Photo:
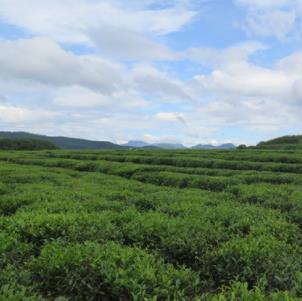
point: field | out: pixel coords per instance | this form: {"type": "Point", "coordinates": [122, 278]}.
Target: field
{"type": "Point", "coordinates": [151, 225]}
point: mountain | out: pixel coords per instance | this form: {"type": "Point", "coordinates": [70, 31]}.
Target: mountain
{"type": "Point", "coordinates": [210, 146]}
{"type": "Point", "coordinates": [76, 143]}
{"type": "Point", "coordinates": [169, 145]}
{"type": "Point", "coordinates": [227, 146]}
{"type": "Point", "coordinates": [203, 146]}
{"type": "Point", "coordinates": [142, 144]}
{"type": "Point", "coordinates": [136, 143]}
{"type": "Point", "coordinates": [150, 147]}
{"type": "Point", "coordinates": [63, 142]}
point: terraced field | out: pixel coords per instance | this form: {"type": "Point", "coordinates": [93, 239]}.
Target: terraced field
{"type": "Point", "coordinates": [151, 225]}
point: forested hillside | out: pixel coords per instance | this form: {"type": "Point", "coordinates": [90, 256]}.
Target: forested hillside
{"type": "Point", "coordinates": [62, 142]}
{"type": "Point", "coordinates": [25, 144]}
{"type": "Point", "coordinates": [285, 142]}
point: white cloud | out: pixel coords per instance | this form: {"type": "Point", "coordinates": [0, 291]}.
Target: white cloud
{"type": "Point", "coordinates": [246, 96]}
{"type": "Point", "coordinates": [152, 139]}
{"type": "Point", "coordinates": [125, 44]}
{"type": "Point", "coordinates": [171, 117]}
{"type": "Point", "coordinates": [292, 67]}
{"type": "Point", "coordinates": [125, 30]}
{"type": "Point", "coordinates": [297, 91]}
{"type": "Point", "coordinates": [276, 18]}
{"type": "Point", "coordinates": [151, 81]}
{"type": "Point", "coordinates": [43, 61]}
{"type": "Point", "coordinates": [236, 93]}
{"type": "Point", "coordinates": [113, 99]}
{"type": "Point", "coordinates": [264, 3]}
{"type": "Point", "coordinates": [15, 114]}
{"type": "Point", "coordinates": [243, 79]}
{"type": "Point", "coordinates": [291, 64]}
{"type": "Point", "coordinates": [214, 57]}
{"type": "Point", "coordinates": [79, 97]}
{"type": "Point", "coordinates": [72, 20]}
{"type": "Point", "coordinates": [233, 75]}
{"type": "Point", "coordinates": [276, 23]}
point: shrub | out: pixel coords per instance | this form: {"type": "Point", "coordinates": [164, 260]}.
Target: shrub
{"type": "Point", "coordinates": [260, 261]}
{"type": "Point", "coordinates": [109, 272]}
{"type": "Point", "coordinates": [240, 292]}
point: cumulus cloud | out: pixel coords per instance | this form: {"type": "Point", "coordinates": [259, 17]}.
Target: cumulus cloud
{"type": "Point", "coordinates": [213, 57]}
{"type": "Point", "coordinates": [72, 20]}
{"type": "Point", "coordinates": [154, 82]}
{"type": "Point", "coordinates": [276, 23]}
{"type": "Point", "coordinates": [291, 63]}
{"type": "Point", "coordinates": [126, 30]}
{"type": "Point", "coordinates": [80, 97]}
{"type": "Point", "coordinates": [233, 74]}
{"type": "Point", "coordinates": [125, 44]}
{"type": "Point", "coordinates": [292, 67]}
{"type": "Point", "coordinates": [276, 18]}
{"type": "Point", "coordinates": [264, 3]}
{"type": "Point", "coordinates": [171, 117]}
{"type": "Point", "coordinates": [16, 115]}
{"type": "Point", "coordinates": [297, 91]}
{"type": "Point", "coordinates": [238, 93]}
{"type": "Point", "coordinates": [44, 61]}
{"type": "Point", "coordinates": [263, 115]}
{"type": "Point", "coordinates": [243, 79]}
{"type": "Point", "coordinates": [132, 84]}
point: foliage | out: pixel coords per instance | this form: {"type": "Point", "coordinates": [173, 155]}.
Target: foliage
{"type": "Point", "coordinates": [285, 142]}
{"type": "Point", "coordinates": [203, 225]}
{"type": "Point", "coordinates": [25, 144]}
{"type": "Point", "coordinates": [61, 142]}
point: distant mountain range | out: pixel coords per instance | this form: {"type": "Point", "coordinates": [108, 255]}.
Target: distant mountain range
{"type": "Point", "coordinates": [135, 143]}
{"type": "Point", "coordinates": [76, 143]}
{"type": "Point", "coordinates": [143, 144]}
{"type": "Point", "coordinates": [210, 146]}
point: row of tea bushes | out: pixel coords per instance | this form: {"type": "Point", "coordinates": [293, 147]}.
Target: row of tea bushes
{"type": "Point", "coordinates": [203, 162]}
{"type": "Point", "coordinates": [205, 242]}
{"type": "Point", "coordinates": [165, 175]}
{"type": "Point", "coordinates": [78, 229]}
{"type": "Point", "coordinates": [286, 198]}
{"type": "Point", "coordinates": [245, 176]}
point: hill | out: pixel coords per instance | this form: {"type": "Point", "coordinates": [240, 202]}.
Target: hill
{"type": "Point", "coordinates": [77, 143]}
{"type": "Point", "coordinates": [26, 144]}
{"type": "Point", "coordinates": [62, 142]}
{"type": "Point", "coordinates": [285, 142]}
{"type": "Point", "coordinates": [210, 146]}
{"type": "Point", "coordinates": [135, 143]}
{"type": "Point", "coordinates": [143, 144]}
{"type": "Point", "coordinates": [169, 145]}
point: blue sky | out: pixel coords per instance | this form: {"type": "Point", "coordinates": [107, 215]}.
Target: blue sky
{"type": "Point", "coordinates": [203, 71]}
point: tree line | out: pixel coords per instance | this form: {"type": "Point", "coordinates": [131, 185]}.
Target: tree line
{"type": "Point", "coordinates": [26, 144]}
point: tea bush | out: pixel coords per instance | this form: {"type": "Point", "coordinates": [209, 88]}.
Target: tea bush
{"type": "Point", "coordinates": [151, 225]}
{"type": "Point", "coordinates": [106, 272]}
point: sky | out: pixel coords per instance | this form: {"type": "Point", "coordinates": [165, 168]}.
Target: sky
{"type": "Point", "coordinates": [183, 71]}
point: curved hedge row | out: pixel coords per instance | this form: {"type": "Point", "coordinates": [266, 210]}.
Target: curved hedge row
{"type": "Point", "coordinates": [73, 229]}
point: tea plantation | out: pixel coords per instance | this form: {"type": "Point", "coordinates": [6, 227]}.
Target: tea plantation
{"type": "Point", "coordinates": [151, 225]}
